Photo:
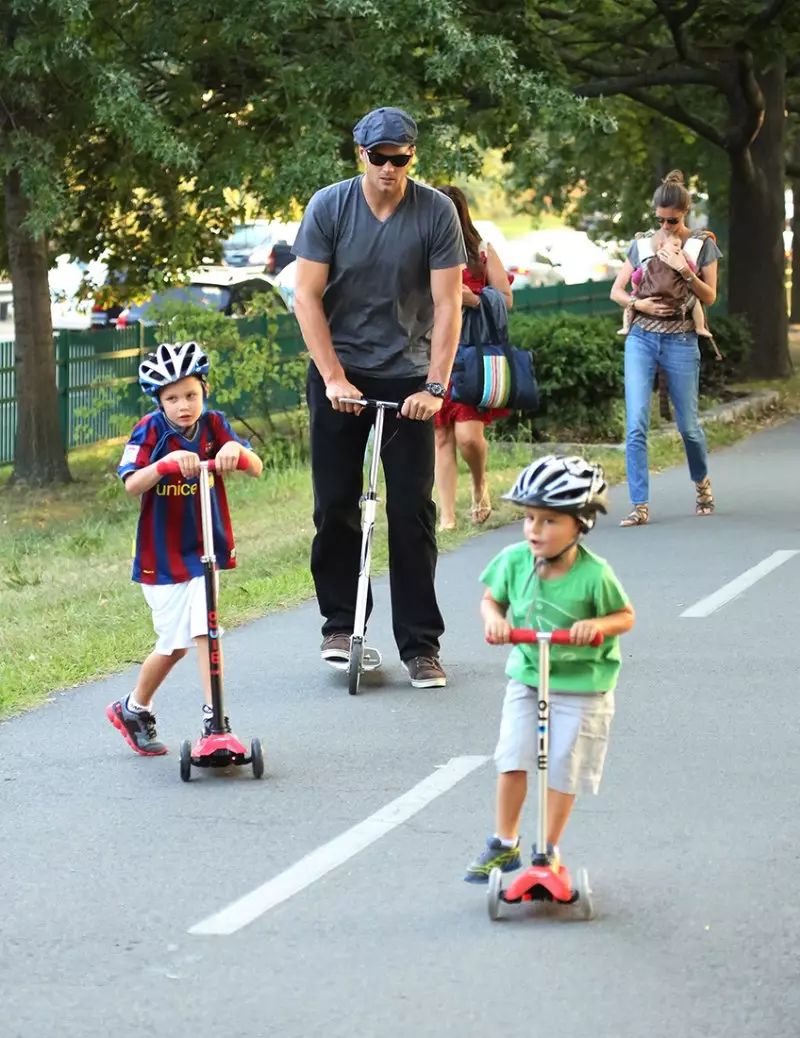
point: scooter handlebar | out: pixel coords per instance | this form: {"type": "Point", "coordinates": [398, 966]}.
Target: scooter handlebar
{"type": "Point", "coordinates": [388, 405]}
{"type": "Point", "coordinates": [522, 635]}
{"type": "Point", "coordinates": [172, 467]}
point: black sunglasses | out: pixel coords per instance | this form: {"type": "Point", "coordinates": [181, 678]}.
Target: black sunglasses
{"type": "Point", "coordinates": [377, 158]}
{"type": "Point", "coordinates": [671, 220]}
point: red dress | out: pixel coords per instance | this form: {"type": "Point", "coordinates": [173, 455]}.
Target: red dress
{"type": "Point", "coordinates": [452, 412]}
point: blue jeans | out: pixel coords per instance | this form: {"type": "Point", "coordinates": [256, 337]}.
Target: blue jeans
{"type": "Point", "coordinates": [678, 355]}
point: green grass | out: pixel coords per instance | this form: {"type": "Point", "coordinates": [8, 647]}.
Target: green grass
{"type": "Point", "coordinates": [520, 225]}
{"type": "Point", "coordinates": [71, 613]}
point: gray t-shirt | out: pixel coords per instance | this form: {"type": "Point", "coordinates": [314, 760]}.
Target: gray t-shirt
{"type": "Point", "coordinates": [378, 299]}
{"type": "Point", "coordinates": [708, 253]}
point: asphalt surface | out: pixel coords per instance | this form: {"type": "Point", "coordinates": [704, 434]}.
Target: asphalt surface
{"type": "Point", "coordinates": [107, 859]}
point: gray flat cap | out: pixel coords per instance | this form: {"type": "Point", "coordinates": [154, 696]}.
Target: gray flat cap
{"type": "Point", "coordinates": [385, 126]}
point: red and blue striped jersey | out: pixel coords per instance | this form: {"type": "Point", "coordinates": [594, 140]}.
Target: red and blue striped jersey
{"type": "Point", "coordinates": [169, 537]}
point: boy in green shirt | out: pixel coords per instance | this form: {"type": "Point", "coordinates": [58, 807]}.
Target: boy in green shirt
{"type": "Point", "coordinates": [550, 582]}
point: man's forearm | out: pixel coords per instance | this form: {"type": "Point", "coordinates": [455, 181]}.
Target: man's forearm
{"type": "Point", "coordinates": [444, 341]}
{"type": "Point", "coordinates": [317, 337]}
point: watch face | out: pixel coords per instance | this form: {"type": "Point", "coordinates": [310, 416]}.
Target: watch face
{"type": "Point", "coordinates": [435, 388]}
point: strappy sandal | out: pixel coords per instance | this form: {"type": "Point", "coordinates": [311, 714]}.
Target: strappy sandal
{"type": "Point", "coordinates": [481, 510]}
{"type": "Point", "coordinates": [639, 516]}
{"type": "Point", "coordinates": [705, 499]}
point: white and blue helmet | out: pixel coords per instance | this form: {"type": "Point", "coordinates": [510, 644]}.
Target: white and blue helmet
{"type": "Point", "coordinates": [171, 362]}
{"type": "Point", "coordinates": [563, 484]}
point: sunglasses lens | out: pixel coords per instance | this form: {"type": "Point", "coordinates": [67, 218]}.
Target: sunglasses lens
{"type": "Point", "coordinates": [377, 158]}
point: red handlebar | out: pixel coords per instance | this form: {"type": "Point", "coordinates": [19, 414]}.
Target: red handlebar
{"type": "Point", "coordinates": [172, 467]}
{"type": "Point", "coordinates": [521, 635]}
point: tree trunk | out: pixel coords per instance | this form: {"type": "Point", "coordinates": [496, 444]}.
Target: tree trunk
{"type": "Point", "coordinates": [795, 307]}
{"type": "Point", "coordinates": [757, 272]}
{"type": "Point", "coordinates": [39, 455]}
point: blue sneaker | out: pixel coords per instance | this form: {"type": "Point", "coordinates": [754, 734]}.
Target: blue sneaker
{"type": "Point", "coordinates": [496, 856]}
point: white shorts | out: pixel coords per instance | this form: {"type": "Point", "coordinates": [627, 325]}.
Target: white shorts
{"type": "Point", "coordinates": [179, 613]}
{"type": "Point", "coordinates": [579, 727]}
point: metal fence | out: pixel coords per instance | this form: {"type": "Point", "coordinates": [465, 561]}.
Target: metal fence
{"type": "Point", "coordinates": [96, 371]}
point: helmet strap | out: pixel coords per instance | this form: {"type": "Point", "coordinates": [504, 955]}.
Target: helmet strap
{"type": "Point", "coordinates": [187, 434]}
{"type": "Point", "coordinates": [556, 558]}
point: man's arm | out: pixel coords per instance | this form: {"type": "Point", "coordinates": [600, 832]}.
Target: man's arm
{"type": "Point", "coordinates": [310, 282]}
{"type": "Point", "coordinates": [446, 292]}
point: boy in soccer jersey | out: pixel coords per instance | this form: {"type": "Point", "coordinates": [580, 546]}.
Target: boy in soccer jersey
{"type": "Point", "coordinates": [169, 541]}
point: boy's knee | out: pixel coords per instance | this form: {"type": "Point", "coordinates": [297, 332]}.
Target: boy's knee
{"type": "Point", "coordinates": [178, 654]}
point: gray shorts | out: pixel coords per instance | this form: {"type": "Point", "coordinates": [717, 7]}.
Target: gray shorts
{"type": "Point", "coordinates": [579, 727]}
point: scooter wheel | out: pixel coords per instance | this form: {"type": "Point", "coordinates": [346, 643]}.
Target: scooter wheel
{"type": "Point", "coordinates": [584, 907]}
{"type": "Point", "coordinates": [256, 758]}
{"type": "Point", "coordinates": [493, 898]}
{"type": "Point", "coordinates": [186, 760]}
{"type": "Point", "coordinates": [354, 669]}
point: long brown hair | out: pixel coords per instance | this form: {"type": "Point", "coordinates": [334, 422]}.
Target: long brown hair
{"type": "Point", "coordinates": [672, 194]}
{"type": "Point", "coordinates": [472, 239]}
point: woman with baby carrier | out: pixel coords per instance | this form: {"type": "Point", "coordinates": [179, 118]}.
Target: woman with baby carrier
{"type": "Point", "coordinates": [673, 274]}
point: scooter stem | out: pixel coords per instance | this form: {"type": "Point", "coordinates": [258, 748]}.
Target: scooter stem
{"type": "Point", "coordinates": [543, 750]}
{"type": "Point", "coordinates": [210, 570]}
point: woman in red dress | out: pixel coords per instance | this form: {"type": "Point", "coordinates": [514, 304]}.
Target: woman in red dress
{"type": "Point", "coordinates": [459, 427]}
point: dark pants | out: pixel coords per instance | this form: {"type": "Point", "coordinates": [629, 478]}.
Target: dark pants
{"type": "Point", "coordinates": [338, 445]}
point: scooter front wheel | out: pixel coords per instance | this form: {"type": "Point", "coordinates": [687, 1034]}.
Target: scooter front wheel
{"type": "Point", "coordinates": [186, 760]}
{"type": "Point", "coordinates": [354, 668]}
{"type": "Point", "coordinates": [256, 758]}
{"type": "Point", "coordinates": [493, 894]}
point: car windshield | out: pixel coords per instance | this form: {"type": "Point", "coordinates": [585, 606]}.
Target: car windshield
{"type": "Point", "coordinates": [248, 236]}
{"type": "Point", "coordinates": [210, 297]}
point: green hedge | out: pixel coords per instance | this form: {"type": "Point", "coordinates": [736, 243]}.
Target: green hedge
{"type": "Point", "coordinates": [579, 364]}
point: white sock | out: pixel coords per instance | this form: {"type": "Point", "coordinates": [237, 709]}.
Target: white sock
{"type": "Point", "coordinates": [208, 711]}
{"type": "Point", "coordinates": [135, 707]}
{"type": "Point", "coordinates": [509, 844]}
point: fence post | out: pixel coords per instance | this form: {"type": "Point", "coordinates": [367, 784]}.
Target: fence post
{"type": "Point", "coordinates": [62, 368]}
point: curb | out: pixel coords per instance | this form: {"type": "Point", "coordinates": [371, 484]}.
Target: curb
{"type": "Point", "coordinates": [753, 404]}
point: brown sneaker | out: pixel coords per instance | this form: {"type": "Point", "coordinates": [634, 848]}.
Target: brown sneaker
{"type": "Point", "coordinates": [426, 672]}
{"type": "Point", "coordinates": [336, 649]}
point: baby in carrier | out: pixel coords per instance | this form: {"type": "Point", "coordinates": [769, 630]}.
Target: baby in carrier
{"type": "Point", "coordinates": [654, 278]}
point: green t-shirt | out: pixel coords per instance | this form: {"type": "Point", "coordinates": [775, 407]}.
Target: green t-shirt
{"type": "Point", "coordinates": [588, 591]}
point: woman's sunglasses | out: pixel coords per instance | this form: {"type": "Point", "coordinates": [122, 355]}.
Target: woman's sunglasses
{"type": "Point", "coordinates": [377, 158]}
{"type": "Point", "coordinates": [671, 220]}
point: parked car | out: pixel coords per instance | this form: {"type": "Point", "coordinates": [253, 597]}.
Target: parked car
{"type": "Point", "coordinates": [226, 291]}
{"type": "Point", "coordinates": [251, 244]}
{"type": "Point", "coordinates": [280, 256]}
{"type": "Point", "coordinates": [572, 253]}
{"type": "Point", "coordinates": [285, 282]}
{"type": "Point", "coordinates": [534, 275]}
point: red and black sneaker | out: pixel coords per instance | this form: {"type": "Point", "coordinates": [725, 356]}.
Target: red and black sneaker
{"type": "Point", "coordinates": [138, 728]}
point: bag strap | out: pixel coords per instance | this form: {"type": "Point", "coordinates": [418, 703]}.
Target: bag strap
{"type": "Point", "coordinates": [645, 244]}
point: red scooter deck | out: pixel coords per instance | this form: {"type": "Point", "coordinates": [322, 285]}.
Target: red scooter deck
{"type": "Point", "coordinates": [541, 883]}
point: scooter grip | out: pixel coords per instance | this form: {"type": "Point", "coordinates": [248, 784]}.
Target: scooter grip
{"type": "Point", "coordinates": [521, 635]}
{"type": "Point", "coordinates": [172, 467]}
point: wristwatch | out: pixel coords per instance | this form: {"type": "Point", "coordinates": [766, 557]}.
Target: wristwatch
{"type": "Point", "coordinates": [435, 389]}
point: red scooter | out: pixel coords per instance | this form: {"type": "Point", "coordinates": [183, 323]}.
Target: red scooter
{"type": "Point", "coordinates": [219, 749]}
{"type": "Point", "coordinates": [541, 882]}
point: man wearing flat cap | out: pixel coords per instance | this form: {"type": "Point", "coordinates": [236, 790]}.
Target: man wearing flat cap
{"type": "Point", "coordinates": [378, 299]}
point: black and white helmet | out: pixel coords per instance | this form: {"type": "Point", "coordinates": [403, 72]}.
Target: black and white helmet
{"type": "Point", "coordinates": [171, 362]}
{"type": "Point", "coordinates": [572, 485]}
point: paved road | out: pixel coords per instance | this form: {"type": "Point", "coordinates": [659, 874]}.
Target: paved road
{"type": "Point", "coordinates": [108, 860]}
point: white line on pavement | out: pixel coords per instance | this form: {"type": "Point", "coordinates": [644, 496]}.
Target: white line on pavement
{"type": "Point", "coordinates": [339, 850]}
{"type": "Point", "coordinates": [726, 594]}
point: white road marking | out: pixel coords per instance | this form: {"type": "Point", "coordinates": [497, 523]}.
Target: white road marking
{"type": "Point", "coordinates": [709, 605]}
{"type": "Point", "coordinates": [339, 850]}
